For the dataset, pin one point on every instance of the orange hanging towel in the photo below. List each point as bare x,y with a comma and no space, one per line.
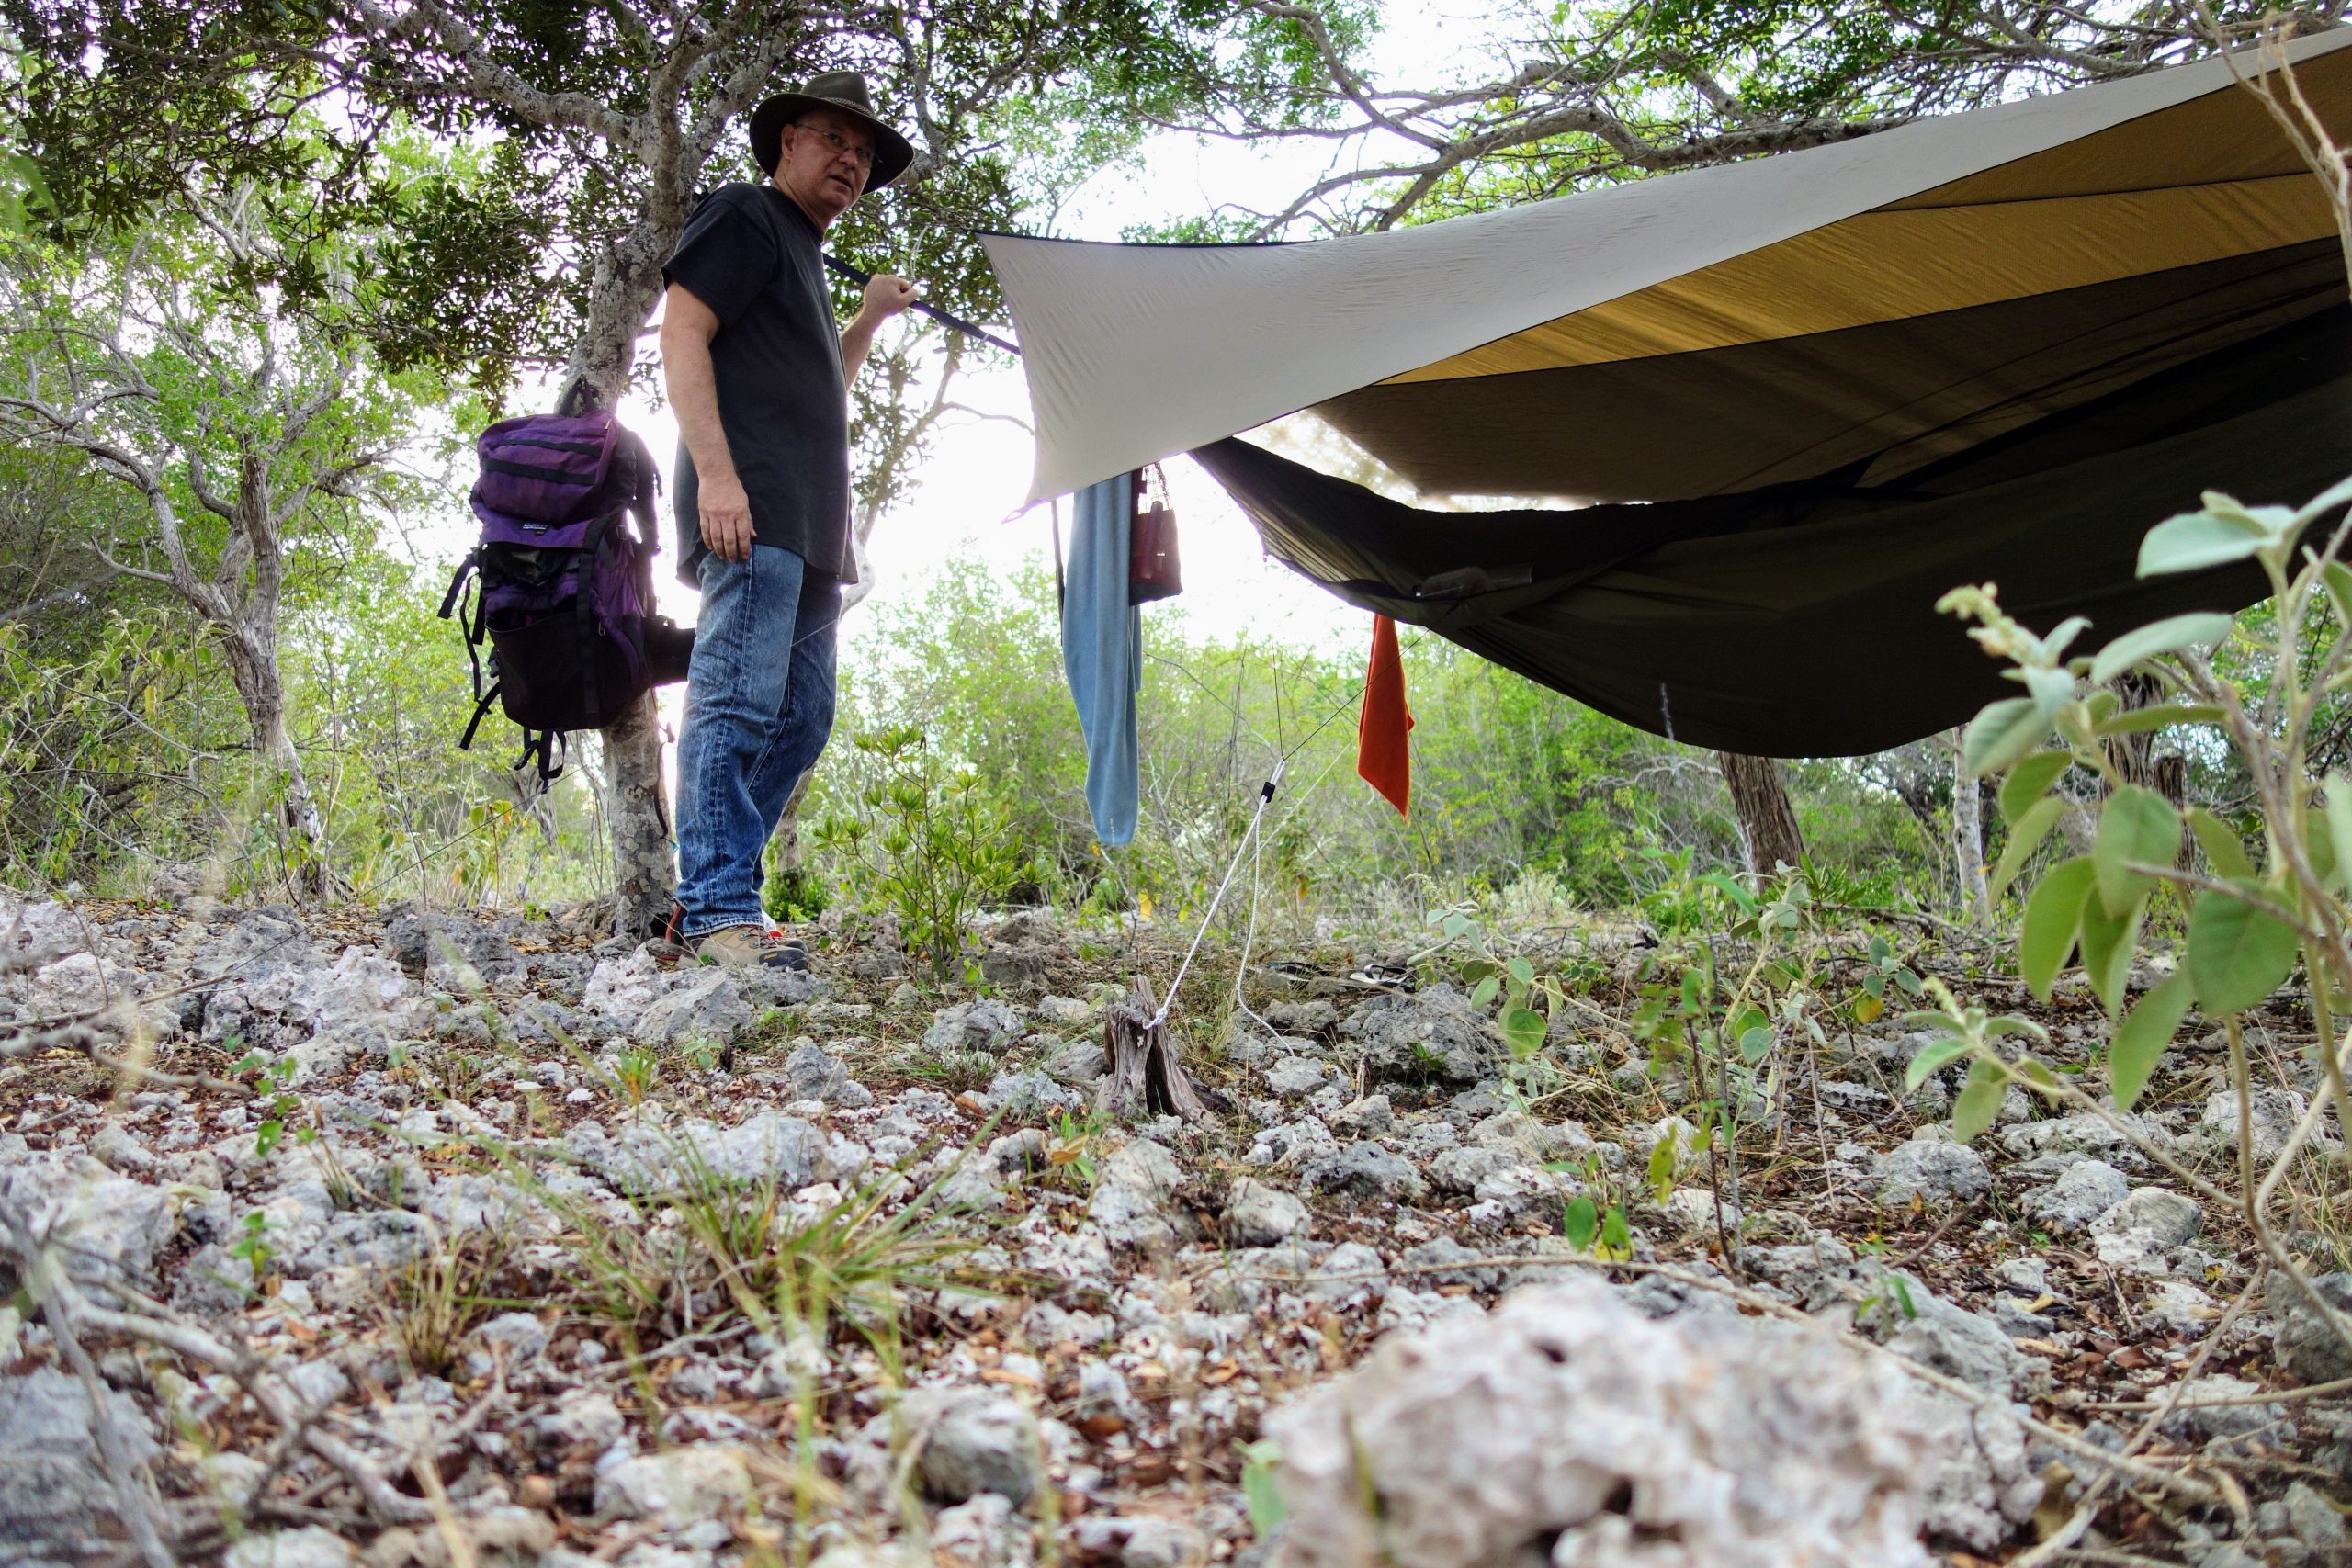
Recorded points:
1383,755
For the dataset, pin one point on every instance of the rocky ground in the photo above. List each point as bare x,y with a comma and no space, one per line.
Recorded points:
423,1238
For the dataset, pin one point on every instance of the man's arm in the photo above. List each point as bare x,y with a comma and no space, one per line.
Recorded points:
687,327
884,297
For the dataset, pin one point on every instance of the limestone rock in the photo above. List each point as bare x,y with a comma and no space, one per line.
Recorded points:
1132,1193
1260,1216
2307,1345
1364,1171
2083,1191
709,1009
56,1504
310,1547
1427,1036
815,1074
985,1025
1566,1427
101,1224
681,1487
1932,1171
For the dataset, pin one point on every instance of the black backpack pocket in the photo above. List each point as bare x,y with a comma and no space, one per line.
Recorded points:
563,672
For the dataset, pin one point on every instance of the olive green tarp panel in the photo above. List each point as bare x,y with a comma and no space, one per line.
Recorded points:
1799,620
1895,394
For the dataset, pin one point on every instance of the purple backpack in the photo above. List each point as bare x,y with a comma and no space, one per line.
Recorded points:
565,586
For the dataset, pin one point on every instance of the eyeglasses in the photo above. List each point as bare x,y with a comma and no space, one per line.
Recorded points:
861,156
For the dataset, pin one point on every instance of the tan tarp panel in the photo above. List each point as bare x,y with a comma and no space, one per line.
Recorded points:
1135,353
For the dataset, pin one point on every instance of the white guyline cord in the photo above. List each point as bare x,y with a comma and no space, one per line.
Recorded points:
1265,798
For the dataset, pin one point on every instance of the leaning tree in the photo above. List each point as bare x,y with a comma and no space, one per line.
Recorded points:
594,123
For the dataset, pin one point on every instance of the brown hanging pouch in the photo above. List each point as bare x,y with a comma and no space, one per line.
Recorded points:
1153,571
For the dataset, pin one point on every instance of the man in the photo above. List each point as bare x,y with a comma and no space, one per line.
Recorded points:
758,375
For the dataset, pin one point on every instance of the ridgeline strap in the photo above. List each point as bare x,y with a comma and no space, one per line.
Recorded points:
860,277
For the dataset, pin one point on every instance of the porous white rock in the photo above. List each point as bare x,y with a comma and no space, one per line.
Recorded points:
1260,1216
683,1486
310,1547
2083,1191
1132,1193
1566,1426
622,988
1932,1171
101,1225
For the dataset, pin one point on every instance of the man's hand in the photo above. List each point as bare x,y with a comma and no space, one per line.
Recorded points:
725,516
886,296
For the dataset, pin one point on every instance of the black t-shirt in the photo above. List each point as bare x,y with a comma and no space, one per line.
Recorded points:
751,255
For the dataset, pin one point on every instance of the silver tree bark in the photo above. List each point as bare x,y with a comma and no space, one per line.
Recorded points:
1968,840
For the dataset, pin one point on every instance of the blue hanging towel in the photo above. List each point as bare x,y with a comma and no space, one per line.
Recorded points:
1102,652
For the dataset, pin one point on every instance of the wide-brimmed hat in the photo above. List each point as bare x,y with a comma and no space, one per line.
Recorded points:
843,90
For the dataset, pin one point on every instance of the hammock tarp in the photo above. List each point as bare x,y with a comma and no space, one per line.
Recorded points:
1809,392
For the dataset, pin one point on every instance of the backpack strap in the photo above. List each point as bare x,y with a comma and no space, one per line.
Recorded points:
464,575
552,748
471,617
481,706
583,604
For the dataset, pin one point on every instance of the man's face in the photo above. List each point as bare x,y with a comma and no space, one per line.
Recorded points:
827,157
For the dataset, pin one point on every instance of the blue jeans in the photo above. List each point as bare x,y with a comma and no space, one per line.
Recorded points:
759,708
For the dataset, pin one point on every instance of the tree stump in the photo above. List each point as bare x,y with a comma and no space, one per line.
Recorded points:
1144,1078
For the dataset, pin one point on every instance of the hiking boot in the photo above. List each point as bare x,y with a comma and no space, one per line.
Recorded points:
752,947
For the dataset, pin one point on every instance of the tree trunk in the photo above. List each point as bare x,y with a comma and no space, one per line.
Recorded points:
645,870
1968,841
252,665
1767,823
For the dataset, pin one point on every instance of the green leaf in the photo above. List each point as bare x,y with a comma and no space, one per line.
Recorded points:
2002,733
2025,838
2338,578
2052,689
1934,1055
1520,970
2140,825
1582,1223
1478,969
1661,1167
2031,779
1524,1029
2340,824
2195,540
1260,1494
2109,941
1616,1235
2169,635
2009,1023
2143,1036
1979,1099
2222,845
1482,994
2052,915
2237,954
1755,1045
2160,716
